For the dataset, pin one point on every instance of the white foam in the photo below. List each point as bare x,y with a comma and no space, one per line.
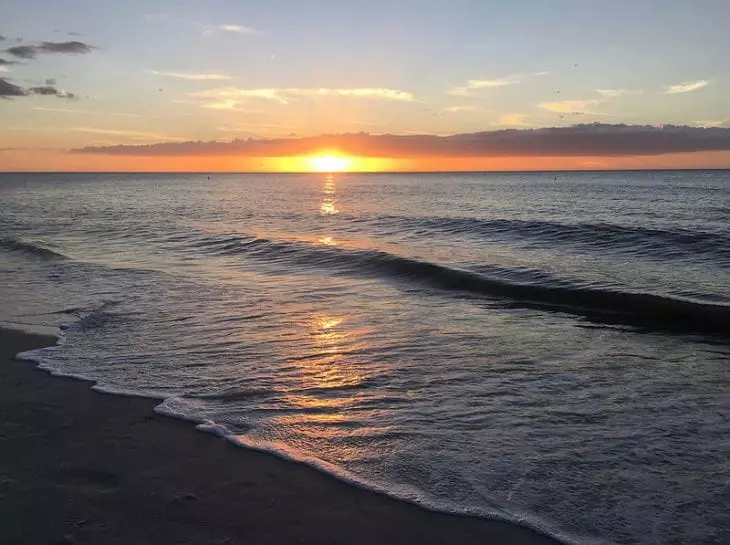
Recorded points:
184,409
175,407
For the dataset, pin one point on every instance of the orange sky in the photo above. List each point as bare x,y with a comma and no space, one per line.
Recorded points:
57,160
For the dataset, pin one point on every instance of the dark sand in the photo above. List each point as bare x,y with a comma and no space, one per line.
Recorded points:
77,466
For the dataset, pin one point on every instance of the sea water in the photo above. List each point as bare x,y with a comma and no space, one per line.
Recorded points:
550,349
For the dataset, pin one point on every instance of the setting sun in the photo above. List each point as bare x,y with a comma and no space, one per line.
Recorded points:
329,163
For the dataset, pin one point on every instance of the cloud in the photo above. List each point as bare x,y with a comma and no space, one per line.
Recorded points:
582,107
71,48
388,94
713,123
236,29
50,90
615,93
512,120
587,140
206,29
228,95
482,84
132,135
32,51
457,109
686,87
222,105
543,73
232,93
23,51
8,89
570,106
5,62
2,38
86,112
196,76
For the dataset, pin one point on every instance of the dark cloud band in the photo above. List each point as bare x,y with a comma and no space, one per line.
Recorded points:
10,90
587,140
50,90
32,51
23,51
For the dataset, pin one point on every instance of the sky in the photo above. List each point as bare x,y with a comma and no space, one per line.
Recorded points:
211,85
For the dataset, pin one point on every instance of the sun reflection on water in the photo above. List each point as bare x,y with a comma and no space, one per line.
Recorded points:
328,376
329,200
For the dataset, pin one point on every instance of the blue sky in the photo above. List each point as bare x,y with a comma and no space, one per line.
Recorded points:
218,69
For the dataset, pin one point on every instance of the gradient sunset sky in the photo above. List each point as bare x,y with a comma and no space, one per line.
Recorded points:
90,85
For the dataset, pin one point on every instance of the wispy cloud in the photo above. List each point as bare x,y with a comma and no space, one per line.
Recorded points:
588,140
686,87
221,105
616,93
713,123
483,84
543,73
570,106
585,106
145,136
464,108
229,95
236,29
195,76
512,120
85,112
205,28
388,94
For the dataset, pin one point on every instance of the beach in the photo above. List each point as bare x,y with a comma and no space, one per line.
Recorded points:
80,466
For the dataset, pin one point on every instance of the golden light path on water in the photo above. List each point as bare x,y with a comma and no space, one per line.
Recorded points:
329,200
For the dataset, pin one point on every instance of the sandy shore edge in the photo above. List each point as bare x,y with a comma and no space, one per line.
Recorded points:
78,466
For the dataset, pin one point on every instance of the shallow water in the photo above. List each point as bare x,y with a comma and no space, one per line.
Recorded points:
550,351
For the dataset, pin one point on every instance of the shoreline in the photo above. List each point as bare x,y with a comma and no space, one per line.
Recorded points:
80,466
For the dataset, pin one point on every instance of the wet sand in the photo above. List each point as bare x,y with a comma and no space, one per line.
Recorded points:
78,466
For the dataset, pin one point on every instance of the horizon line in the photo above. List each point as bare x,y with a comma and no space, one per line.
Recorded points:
217,172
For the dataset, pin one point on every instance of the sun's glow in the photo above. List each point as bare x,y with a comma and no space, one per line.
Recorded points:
329,163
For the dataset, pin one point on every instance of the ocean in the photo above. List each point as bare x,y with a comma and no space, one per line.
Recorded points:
546,348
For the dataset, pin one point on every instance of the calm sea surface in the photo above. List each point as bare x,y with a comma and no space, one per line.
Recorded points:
553,351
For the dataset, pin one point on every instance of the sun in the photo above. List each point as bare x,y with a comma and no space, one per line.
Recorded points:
329,163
